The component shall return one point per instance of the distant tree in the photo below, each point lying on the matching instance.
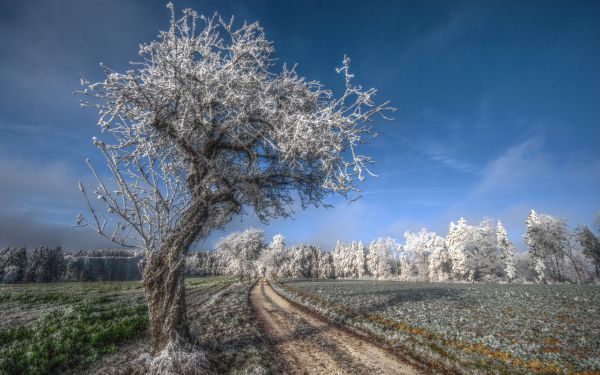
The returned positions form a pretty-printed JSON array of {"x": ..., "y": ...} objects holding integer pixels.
[
  {"x": 202, "y": 128},
  {"x": 548, "y": 241},
  {"x": 507, "y": 251},
  {"x": 304, "y": 261},
  {"x": 45, "y": 265},
  {"x": 591, "y": 246},
  {"x": 201, "y": 263},
  {"x": 418, "y": 249},
  {"x": 240, "y": 250},
  {"x": 472, "y": 250},
  {"x": 380, "y": 260},
  {"x": 340, "y": 254},
  {"x": 326, "y": 267},
  {"x": 440, "y": 265},
  {"x": 13, "y": 263},
  {"x": 359, "y": 260},
  {"x": 272, "y": 258},
  {"x": 457, "y": 242},
  {"x": 484, "y": 247},
  {"x": 537, "y": 253}
]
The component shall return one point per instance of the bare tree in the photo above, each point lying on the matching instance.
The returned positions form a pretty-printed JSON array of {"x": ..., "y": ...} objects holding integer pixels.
[{"x": 203, "y": 128}]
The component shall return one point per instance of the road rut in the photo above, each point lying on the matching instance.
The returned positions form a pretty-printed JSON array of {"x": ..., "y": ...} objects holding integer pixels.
[{"x": 310, "y": 345}]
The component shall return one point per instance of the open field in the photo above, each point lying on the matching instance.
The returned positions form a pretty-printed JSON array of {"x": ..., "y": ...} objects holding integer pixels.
[
  {"x": 469, "y": 327},
  {"x": 100, "y": 327}
]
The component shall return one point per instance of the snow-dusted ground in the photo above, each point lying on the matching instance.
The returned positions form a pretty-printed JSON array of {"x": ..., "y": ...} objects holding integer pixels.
[
  {"x": 516, "y": 328},
  {"x": 218, "y": 312}
]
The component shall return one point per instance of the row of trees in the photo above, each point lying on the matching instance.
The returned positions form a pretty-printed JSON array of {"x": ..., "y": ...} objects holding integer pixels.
[
  {"x": 481, "y": 252},
  {"x": 557, "y": 254},
  {"x": 470, "y": 252},
  {"x": 51, "y": 264}
]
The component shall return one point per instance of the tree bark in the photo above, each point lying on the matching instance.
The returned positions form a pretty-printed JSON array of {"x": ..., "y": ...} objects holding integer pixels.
[{"x": 164, "y": 284}]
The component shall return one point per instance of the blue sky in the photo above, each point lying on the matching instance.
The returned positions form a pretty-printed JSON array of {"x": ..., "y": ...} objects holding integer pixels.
[{"x": 498, "y": 108}]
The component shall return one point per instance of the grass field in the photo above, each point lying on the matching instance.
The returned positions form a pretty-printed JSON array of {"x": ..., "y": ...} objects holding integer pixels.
[
  {"x": 99, "y": 327},
  {"x": 470, "y": 327}
]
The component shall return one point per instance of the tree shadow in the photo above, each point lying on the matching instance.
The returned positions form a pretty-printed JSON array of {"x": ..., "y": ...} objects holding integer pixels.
[{"x": 387, "y": 298}]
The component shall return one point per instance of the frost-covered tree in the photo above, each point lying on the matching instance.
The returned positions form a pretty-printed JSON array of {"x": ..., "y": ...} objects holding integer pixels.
[
  {"x": 548, "y": 241},
  {"x": 343, "y": 260},
  {"x": 326, "y": 267},
  {"x": 507, "y": 251},
  {"x": 304, "y": 261},
  {"x": 241, "y": 250},
  {"x": 380, "y": 260},
  {"x": 359, "y": 260},
  {"x": 418, "y": 247},
  {"x": 204, "y": 127},
  {"x": 273, "y": 256},
  {"x": 45, "y": 265},
  {"x": 456, "y": 248},
  {"x": 537, "y": 254},
  {"x": 485, "y": 250},
  {"x": 440, "y": 266},
  {"x": 472, "y": 250},
  {"x": 590, "y": 245},
  {"x": 202, "y": 263},
  {"x": 13, "y": 264}
]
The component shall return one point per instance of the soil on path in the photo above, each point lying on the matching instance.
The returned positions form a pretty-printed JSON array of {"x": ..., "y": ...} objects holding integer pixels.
[{"x": 311, "y": 345}]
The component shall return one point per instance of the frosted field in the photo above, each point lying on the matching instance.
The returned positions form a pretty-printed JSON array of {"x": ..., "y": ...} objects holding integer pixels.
[
  {"x": 470, "y": 327},
  {"x": 101, "y": 327}
]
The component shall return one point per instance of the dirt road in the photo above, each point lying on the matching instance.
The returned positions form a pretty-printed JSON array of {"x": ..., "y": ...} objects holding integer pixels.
[{"x": 310, "y": 345}]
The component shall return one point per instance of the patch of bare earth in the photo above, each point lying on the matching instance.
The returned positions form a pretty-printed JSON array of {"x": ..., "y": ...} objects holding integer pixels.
[{"x": 311, "y": 345}]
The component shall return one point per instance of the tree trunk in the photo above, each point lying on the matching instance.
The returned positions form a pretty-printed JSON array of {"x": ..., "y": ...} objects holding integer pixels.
[{"x": 164, "y": 284}]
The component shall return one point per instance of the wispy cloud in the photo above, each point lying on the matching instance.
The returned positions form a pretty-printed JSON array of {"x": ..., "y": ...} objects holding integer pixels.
[
  {"x": 521, "y": 166},
  {"x": 409, "y": 171},
  {"x": 438, "y": 152}
]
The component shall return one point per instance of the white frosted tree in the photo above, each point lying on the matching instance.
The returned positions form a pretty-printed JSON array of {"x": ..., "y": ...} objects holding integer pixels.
[
  {"x": 241, "y": 250},
  {"x": 484, "y": 248},
  {"x": 343, "y": 260},
  {"x": 440, "y": 266},
  {"x": 548, "y": 241},
  {"x": 380, "y": 260},
  {"x": 537, "y": 251},
  {"x": 326, "y": 267},
  {"x": 473, "y": 250},
  {"x": 204, "y": 127},
  {"x": 507, "y": 251},
  {"x": 359, "y": 260},
  {"x": 272, "y": 257},
  {"x": 418, "y": 250},
  {"x": 591, "y": 246}
]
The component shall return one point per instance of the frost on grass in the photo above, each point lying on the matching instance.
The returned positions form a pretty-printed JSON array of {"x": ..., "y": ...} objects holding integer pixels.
[
  {"x": 174, "y": 359},
  {"x": 233, "y": 340},
  {"x": 470, "y": 327}
]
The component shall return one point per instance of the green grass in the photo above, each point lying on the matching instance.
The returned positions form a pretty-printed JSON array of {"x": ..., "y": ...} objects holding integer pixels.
[
  {"x": 65, "y": 326},
  {"x": 32, "y": 298},
  {"x": 74, "y": 337}
]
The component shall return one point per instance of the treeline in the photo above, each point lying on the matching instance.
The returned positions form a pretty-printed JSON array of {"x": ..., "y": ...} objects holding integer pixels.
[
  {"x": 469, "y": 252},
  {"x": 51, "y": 264}
]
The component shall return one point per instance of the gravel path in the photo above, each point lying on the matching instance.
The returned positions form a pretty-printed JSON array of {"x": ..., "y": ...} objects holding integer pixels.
[{"x": 310, "y": 345}]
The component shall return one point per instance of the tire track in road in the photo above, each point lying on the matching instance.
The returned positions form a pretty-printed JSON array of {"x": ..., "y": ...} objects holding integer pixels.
[{"x": 310, "y": 345}]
